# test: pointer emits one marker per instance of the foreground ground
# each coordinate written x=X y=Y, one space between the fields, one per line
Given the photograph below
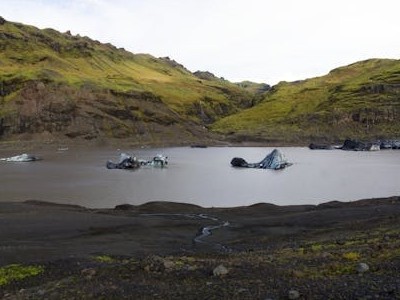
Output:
x=157 y=251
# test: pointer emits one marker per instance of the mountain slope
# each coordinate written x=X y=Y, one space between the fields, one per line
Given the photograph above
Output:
x=56 y=84
x=361 y=100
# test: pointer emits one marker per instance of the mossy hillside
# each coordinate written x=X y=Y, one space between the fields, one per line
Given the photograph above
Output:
x=360 y=100
x=28 y=54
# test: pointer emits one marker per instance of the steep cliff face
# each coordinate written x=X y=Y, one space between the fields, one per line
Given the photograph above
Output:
x=63 y=86
x=61 y=111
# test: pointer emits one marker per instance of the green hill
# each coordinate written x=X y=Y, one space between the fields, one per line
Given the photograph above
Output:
x=361 y=100
x=58 y=85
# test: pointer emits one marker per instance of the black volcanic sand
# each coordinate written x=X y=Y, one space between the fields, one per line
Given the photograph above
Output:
x=151 y=251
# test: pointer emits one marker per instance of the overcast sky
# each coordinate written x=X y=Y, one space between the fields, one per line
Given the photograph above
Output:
x=259 y=40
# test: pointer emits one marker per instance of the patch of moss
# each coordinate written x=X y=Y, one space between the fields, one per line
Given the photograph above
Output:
x=351 y=256
x=17 y=272
x=336 y=269
x=104 y=259
x=316 y=247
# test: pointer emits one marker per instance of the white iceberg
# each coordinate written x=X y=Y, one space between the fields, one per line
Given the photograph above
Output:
x=21 y=158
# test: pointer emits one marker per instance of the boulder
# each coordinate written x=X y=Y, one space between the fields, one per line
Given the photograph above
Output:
x=88 y=273
x=220 y=271
x=362 y=268
x=293 y=294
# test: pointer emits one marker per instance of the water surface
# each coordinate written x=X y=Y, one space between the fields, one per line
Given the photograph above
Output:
x=201 y=176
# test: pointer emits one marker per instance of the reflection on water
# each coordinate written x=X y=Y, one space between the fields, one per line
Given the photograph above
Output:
x=201 y=176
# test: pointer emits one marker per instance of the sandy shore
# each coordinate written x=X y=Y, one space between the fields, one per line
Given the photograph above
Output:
x=313 y=250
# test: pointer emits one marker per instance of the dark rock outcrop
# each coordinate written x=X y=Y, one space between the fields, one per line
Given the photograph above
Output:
x=173 y=63
x=313 y=146
x=389 y=144
x=354 y=145
x=239 y=162
x=205 y=75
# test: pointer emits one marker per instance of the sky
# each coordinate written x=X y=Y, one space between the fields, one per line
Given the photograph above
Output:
x=259 y=40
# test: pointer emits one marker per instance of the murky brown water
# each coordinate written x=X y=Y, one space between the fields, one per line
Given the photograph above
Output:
x=201 y=176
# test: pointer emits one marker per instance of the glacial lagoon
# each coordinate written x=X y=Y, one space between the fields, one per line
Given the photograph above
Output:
x=201 y=176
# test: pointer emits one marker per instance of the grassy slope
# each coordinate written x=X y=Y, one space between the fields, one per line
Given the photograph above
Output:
x=28 y=53
x=359 y=100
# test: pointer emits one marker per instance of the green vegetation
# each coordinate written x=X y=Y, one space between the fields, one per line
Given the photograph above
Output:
x=92 y=75
x=32 y=54
x=104 y=259
x=29 y=53
x=17 y=272
x=351 y=256
x=360 y=100
x=48 y=80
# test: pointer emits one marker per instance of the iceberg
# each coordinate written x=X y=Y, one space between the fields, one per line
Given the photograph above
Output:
x=127 y=161
x=275 y=160
x=21 y=158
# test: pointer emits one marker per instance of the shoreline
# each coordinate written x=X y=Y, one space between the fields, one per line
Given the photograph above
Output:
x=168 y=206
x=214 y=140
x=112 y=143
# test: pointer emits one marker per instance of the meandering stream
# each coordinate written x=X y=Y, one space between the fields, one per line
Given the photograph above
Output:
x=204 y=232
